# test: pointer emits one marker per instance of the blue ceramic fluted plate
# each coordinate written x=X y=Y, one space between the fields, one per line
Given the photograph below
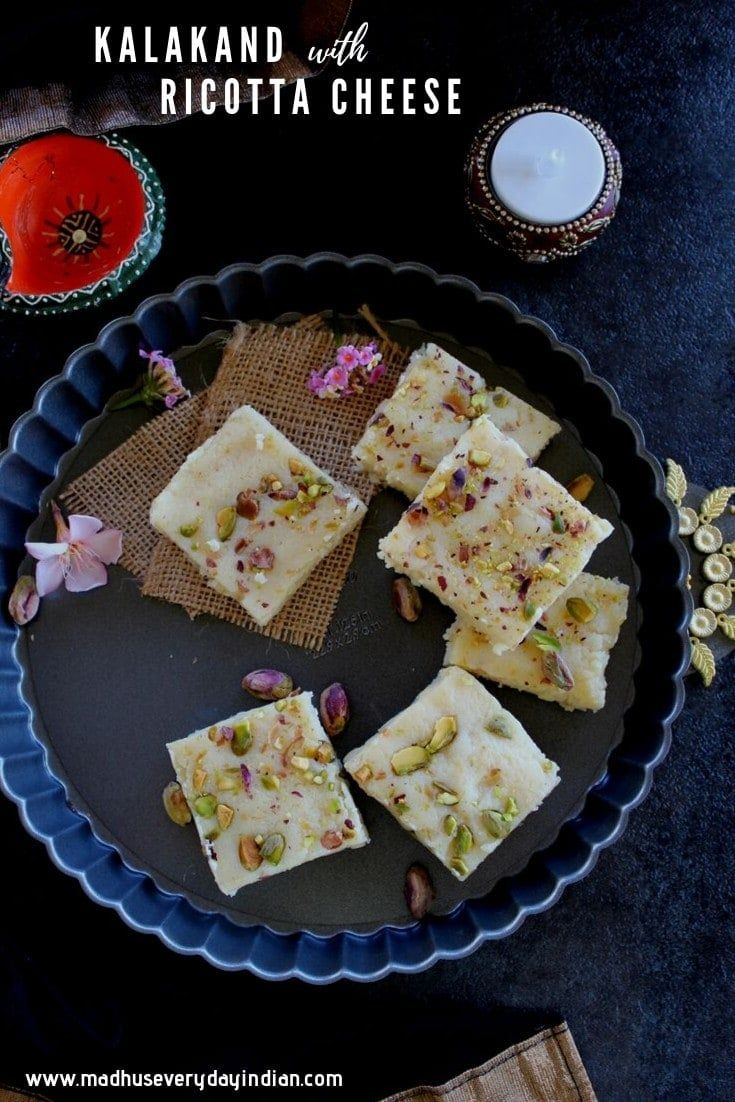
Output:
x=345 y=919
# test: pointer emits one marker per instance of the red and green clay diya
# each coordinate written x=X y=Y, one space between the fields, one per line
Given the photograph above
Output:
x=80 y=220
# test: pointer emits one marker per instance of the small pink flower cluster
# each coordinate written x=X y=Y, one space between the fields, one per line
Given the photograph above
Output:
x=352 y=370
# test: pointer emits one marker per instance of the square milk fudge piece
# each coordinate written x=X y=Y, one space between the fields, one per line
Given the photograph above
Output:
x=496 y=539
x=435 y=400
x=265 y=791
x=254 y=514
x=456 y=769
x=564 y=659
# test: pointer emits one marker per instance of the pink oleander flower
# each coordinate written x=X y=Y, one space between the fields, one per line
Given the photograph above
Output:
x=80 y=557
x=161 y=383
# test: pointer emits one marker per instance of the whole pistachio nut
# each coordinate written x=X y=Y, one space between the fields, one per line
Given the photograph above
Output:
x=175 y=803
x=24 y=600
x=419 y=891
x=334 y=709
x=267 y=684
x=406 y=600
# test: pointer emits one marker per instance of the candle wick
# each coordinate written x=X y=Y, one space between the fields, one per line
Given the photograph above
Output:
x=550 y=164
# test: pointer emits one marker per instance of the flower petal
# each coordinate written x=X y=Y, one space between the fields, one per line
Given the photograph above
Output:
x=107 y=545
x=49 y=575
x=46 y=550
x=85 y=572
x=82 y=527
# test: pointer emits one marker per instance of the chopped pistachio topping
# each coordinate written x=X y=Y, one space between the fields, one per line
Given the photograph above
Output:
x=205 y=806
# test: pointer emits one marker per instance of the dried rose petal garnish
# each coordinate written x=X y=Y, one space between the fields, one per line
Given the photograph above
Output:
x=352 y=369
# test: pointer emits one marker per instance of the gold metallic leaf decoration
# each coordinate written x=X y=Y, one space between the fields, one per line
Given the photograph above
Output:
x=726 y=624
x=707 y=539
x=715 y=503
x=703 y=661
x=676 y=482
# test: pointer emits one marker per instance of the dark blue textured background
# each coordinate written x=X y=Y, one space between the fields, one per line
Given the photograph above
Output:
x=639 y=956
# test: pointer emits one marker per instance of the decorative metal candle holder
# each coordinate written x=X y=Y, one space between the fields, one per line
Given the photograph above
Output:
x=532 y=242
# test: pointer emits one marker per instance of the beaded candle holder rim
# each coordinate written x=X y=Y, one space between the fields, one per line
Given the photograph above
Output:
x=491 y=131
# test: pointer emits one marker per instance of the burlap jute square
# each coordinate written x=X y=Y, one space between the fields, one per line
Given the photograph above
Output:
x=120 y=488
x=266 y=366
x=545 y=1068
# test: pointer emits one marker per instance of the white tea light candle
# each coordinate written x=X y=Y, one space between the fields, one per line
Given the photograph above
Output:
x=547 y=168
x=542 y=181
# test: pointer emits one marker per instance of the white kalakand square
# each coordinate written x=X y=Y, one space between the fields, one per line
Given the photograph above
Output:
x=435 y=400
x=265 y=791
x=254 y=514
x=584 y=623
x=456 y=769
x=495 y=538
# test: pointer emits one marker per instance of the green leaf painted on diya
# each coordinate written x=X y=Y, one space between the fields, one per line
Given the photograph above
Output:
x=676 y=481
x=703 y=661
x=715 y=503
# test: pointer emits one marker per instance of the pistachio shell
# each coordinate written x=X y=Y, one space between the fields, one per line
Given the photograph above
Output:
x=175 y=803
x=445 y=730
x=408 y=759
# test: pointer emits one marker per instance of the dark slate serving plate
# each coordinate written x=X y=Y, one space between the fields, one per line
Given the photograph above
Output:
x=110 y=677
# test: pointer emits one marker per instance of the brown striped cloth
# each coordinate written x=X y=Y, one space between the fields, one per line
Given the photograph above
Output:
x=545 y=1068
x=58 y=86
